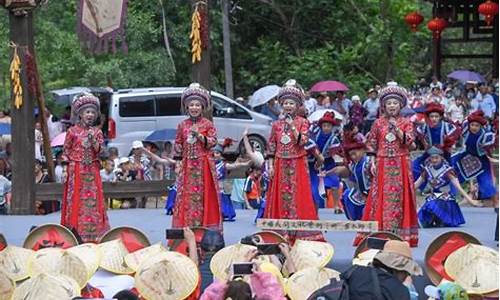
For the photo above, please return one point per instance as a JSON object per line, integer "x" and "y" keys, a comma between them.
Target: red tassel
{"x": 31, "y": 73}
{"x": 204, "y": 34}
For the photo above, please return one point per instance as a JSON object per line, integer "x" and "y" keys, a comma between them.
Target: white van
{"x": 136, "y": 113}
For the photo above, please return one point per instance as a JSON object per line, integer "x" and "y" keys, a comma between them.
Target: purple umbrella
{"x": 329, "y": 86}
{"x": 464, "y": 76}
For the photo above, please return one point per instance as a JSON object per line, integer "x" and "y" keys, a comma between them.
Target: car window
{"x": 225, "y": 109}
{"x": 168, "y": 105}
{"x": 137, "y": 106}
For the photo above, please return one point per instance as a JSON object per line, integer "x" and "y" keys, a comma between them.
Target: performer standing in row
{"x": 197, "y": 202}
{"x": 83, "y": 207}
{"x": 289, "y": 195}
{"x": 391, "y": 200}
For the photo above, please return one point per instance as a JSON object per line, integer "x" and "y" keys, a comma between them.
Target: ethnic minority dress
{"x": 228, "y": 212}
{"x": 353, "y": 198}
{"x": 289, "y": 195}
{"x": 197, "y": 201}
{"x": 444, "y": 135}
{"x": 326, "y": 144}
{"x": 473, "y": 161}
{"x": 440, "y": 208}
{"x": 391, "y": 200}
{"x": 83, "y": 208}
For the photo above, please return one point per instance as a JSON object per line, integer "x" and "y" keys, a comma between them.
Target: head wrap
{"x": 477, "y": 116}
{"x": 434, "y": 151}
{"x": 393, "y": 92}
{"x": 291, "y": 90}
{"x": 329, "y": 117}
{"x": 196, "y": 92}
{"x": 434, "y": 107}
{"x": 81, "y": 102}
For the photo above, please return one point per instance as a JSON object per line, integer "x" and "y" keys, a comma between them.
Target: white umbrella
{"x": 263, "y": 95}
{"x": 315, "y": 116}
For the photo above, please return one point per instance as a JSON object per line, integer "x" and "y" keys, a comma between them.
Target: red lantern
{"x": 437, "y": 25}
{"x": 414, "y": 19}
{"x": 489, "y": 9}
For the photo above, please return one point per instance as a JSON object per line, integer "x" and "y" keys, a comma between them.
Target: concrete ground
{"x": 480, "y": 222}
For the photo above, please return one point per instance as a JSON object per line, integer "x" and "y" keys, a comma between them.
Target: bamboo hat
{"x": 113, "y": 257}
{"x": 221, "y": 262}
{"x": 7, "y": 286}
{"x": 133, "y": 239}
{"x": 57, "y": 261}
{"x": 167, "y": 277}
{"x": 475, "y": 268}
{"x": 50, "y": 236}
{"x": 270, "y": 237}
{"x": 90, "y": 254}
{"x": 134, "y": 260}
{"x": 14, "y": 262}
{"x": 306, "y": 281}
{"x": 47, "y": 287}
{"x": 3, "y": 242}
{"x": 440, "y": 248}
{"x": 311, "y": 254}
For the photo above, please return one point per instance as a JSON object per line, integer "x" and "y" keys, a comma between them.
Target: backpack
{"x": 339, "y": 289}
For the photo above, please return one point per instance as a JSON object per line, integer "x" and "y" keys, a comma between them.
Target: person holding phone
{"x": 197, "y": 202}
{"x": 391, "y": 199}
{"x": 289, "y": 195}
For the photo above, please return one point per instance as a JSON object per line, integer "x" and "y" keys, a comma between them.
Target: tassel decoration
{"x": 15, "y": 77}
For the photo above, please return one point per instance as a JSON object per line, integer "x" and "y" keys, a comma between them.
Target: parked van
{"x": 136, "y": 113}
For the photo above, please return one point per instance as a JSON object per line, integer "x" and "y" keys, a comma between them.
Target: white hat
{"x": 137, "y": 145}
{"x": 355, "y": 98}
{"x": 123, "y": 160}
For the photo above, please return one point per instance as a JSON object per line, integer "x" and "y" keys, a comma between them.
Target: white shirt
{"x": 456, "y": 113}
{"x": 311, "y": 105}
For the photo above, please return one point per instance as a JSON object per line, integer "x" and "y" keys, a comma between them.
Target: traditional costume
{"x": 289, "y": 195}
{"x": 327, "y": 144}
{"x": 473, "y": 161}
{"x": 440, "y": 208}
{"x": 197, "y": 202}
{"x": 353, "y": 198}
{"x": 83, "y": 206}
{"x": 443, "y": 135}
{"x": 391, "y": 200}
{"x": 228, "y": 212}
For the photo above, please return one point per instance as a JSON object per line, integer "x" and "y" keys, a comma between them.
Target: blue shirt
{"x": 484, "y": 102}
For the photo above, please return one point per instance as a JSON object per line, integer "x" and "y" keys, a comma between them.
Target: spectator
{"x": 271, "y": 109}
{"x": 140, "y": 162}
{"x": 456, "y": 110}
{"x": 241, "y": 101}
{"x": 46, "y": 206}
{"x": 484, "y": 102}
{"x": 342, "y": 104}
{"x": 5, "y": 194}
{"x": 107, "y": 173}
{"x": 53, "y": 125}
{"x": 114, "y": 155}
{"x": 357, "y": 111}
{"x": 310, "y": 104}
{"x": 253, "y": 189}
{"x": 371, "y": 106}
{"x": 435, "y": 83}
{"x": 5, "y": 116}
{"x": 59, "y": 170}
{"x": 324, "y": 101}
{"x": 436, "y": 97}
{"x": 167, "y": 153}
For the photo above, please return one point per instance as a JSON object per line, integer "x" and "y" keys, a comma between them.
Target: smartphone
{"x": 174, "y": 234}
{"x": 268, "y": 249}
{"x": 242, "y": 269}
{"x": 376, "y": 243}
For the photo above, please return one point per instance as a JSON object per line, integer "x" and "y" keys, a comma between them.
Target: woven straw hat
{"x": 47, "y": 287}
{"x": 474, "y": 267}
{"x": 134, "y": 260}
{"x": 113, "y": 257}
{"x": 170, "y": 276}
{"x": 7, "y": 286}
{"x": 133, "y": 239}
{"x": 223, "y": 260}
{"x": 57, "y": 261}
{"x": 311, "y": 254}
{"x": 440, "y": 248}
{"x": 14, "y": 262}
{"x": 306, "y": 281}
{"x": 397, "y": 255}
{"x": 3, "y": 242}
{"x": 90, "y": 254}
{"x": 270, "y": 237}
{"x": 50, "y": 236}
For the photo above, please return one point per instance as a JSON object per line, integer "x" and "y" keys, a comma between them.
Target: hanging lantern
{"x": 437, "y": 25}
{"x": 489, "y": 9}
{"x": 414, "y": 19}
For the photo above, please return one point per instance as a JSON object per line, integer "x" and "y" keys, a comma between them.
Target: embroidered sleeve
{"x": 211, "y": 136}
{"x": 453, "y": 133}
{"x": 371, "y": 139}
{"x": 271, "y": 151}
{"x": 68, "y": 145}
{"x": 488, "y": 141}
{"x": 408, "y": 132}
{"x": 99, "y": 140}
{"x": 303, "y": 132}
{"x": 179, "y": 139}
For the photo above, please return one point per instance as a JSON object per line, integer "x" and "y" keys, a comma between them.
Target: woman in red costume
{"x": 391, "y": 200}
{"x": 83, "y": 207}
{"x": 197, "y": 202}
{"x": 289, "y": 195}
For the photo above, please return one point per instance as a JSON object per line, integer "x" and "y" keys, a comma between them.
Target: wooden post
{"x": 436, "y": 57}
{"x": 495, "y": 48}
{"x": 23, "y": 129}
{"x": 226, "y": 37}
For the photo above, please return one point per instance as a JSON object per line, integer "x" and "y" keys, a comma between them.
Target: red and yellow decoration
{"x": 195, "y": 36}
{"x": 489, "y": 10}
{"x": 414, "y": 19}
{"x": 437, "y": 25}
{"x": 15, "y": 77}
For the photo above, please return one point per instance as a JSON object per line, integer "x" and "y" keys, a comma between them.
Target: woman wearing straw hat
{"x": 289, "y": 195}
{"x": 83, "y": 208}
{"x": 197, "y": 202}
{"x": 391, "y": 200}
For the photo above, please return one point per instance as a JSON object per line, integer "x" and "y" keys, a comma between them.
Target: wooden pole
{"x": 495, "y": 48}
{"x": 226, "y": 37}
{"x": 23, "y": 129}
{"x": 436, "y": 57}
